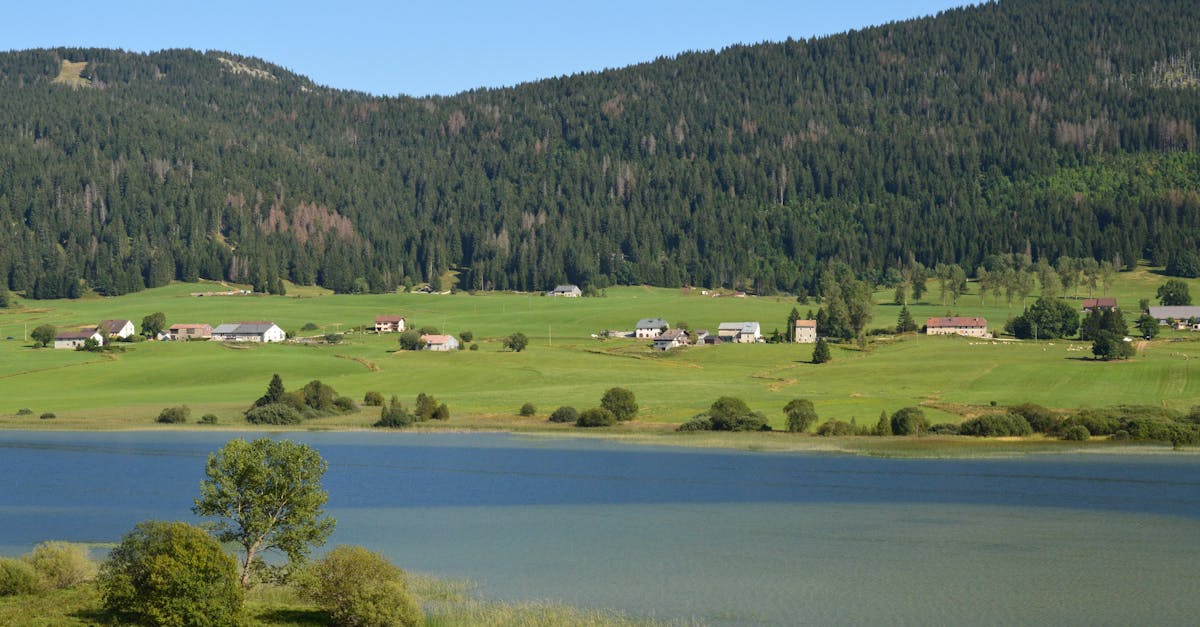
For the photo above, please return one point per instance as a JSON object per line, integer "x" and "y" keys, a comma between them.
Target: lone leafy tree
{"x": 1174, "y": 292}
{"x": 516, "y": 342}
{"x": 154, "y": 324}
{"x": 44, "y": 334}
{"x": 267, "y": 494}
{"x": 620, "y": 402}
{"x": 800, "y": 415}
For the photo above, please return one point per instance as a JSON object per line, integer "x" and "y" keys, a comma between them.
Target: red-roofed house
{"x": 805, "y": 332}
{"x": 389, "y": 324}
{"x": 957, "y": 325}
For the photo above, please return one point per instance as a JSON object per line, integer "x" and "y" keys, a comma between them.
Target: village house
{"x": 440, "y": 343}
{"x": 74, "y": 339}
{"x": 739, "y": 332}
{"x": 248, "y": 332}
{"x": 1178, "y": 316}
{"x": 569, "y": 291}
{"x": 189, "y": 332}
{"x": 805, "y": 332}
{"x": 650, "y": 328}
{"x": 389, "y": 324}
{"x": 116, "y": 329}
{"x": 671, "y": 339}
{"x": 958, "y": 325}
{"x": 1099, "y": 303}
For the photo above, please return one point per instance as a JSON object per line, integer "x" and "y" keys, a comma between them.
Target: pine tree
{"x": 821, "y": 352}
{"x": 274, "y": 393}
{"x": 884, "y": 426}
{"x": 905, "y": 322}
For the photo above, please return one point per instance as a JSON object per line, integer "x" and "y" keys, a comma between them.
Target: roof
{"x": 1178, "y": 312}
{"x": 566, "y": 288}
{"x": 437, "y": 339}
{"x": 1092, "y": 303}
{"x": 740, "y": 327}
{"x": 80, "y": 334}
{"x": 114, "y": 326}
{"x": 652, "y": 323}
{"x": 189, "y": 326}
{"x": 389, "y": 318}
{"x": 243, "y": 328}
{"x": 806, "y": 323}
{"x": 671, "y": 336}
{"x": 957, "y": 321}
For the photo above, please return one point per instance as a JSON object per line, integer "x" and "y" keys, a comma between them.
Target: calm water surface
{"x": 720, "y": 537}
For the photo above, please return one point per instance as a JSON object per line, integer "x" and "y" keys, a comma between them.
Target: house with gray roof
{"x": 1181, "y": 316}
{"x": 248, "y": 332}
{"x": 739, "y": 332}
{"x": 650, "y": 328}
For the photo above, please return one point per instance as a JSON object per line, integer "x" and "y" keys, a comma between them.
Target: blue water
{"x": 721, "y": 537}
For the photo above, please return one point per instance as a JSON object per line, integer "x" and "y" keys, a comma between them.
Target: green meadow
{"x": 950, "y": 377}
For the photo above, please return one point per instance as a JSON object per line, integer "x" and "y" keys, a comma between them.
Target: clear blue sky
{"x": 420, "y": 47}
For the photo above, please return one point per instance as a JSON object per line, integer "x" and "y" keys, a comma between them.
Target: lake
{"x": 715, "y": 536}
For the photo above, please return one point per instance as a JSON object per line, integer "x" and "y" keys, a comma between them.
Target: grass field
{"x": 71, "y": 74}
{"x": 951, "y": 377}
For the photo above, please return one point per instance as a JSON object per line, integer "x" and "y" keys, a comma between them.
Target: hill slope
{"x": 989, "y": 129}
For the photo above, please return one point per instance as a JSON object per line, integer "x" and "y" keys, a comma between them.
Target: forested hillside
{"x": 1055, "y": 127}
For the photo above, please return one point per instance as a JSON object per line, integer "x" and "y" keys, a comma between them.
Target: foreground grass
{"x": 448, "y": 603}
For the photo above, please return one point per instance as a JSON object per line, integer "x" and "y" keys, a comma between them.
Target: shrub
{"x": 373, "y": 399}
{"x": 17, "y": 578}
{"x": 61, "y": 564}
{"x": 528, "y": 409}
{"x": 1076, "y": 432}
{"x": 48, "y": 415}
{"x": 699, "y": 423}
{"x": 360, "y": 587}
{"x": 467, "y": 337}
{"x": 410, "y": 340}
{"x": 309, "y": 326}
{"x": 174, "y": 415}
{"x": 620, "y": 402}
{"x": 333, "y": 338}
{"x": 800, "y": 415}
{"x": 273, "y": 414}
{"x": 996, "y": 426}
{"x": 596, "y": 417}
{"x": 474, "y": 347}
{"x": 344, "y": 404}
{"x": 909, "y": 421}
{"x": 318, "y": 396}
{"x": 208, "y": 419}
{"x": 24, "y": 411}
{"x": 835, "y": 427}
{"x": 394, "y": 415}
{"x": 1096, "y": 421}
{"x": 171, "y": 573}
{"x": 728, "y": 413}
{"x": 944, "y": 428}
{"x": 1040, "y": 419}
{"x": 566, "y": 413}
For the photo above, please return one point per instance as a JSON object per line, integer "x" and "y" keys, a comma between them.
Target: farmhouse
{"x": 671, "y": 339}
{"x": 248, "y": 332}
{"x": 189, "y": 332}
{"x": 389, "y": 324}
{"x": 650, "y": 328}
{"x": 701, "y": 336}
{"x": 1180, "y": 316}
{"x": 75, "y": 339}
{"x": 117, "y": 329}
{"x": 957, "y": 325}
{"x": 1099, "y": 303}
{"x": 739, "y": 332}
{"x": 569, "y": 291}
{"x": 440, "y": 343}
{"x": 805, "y": 332}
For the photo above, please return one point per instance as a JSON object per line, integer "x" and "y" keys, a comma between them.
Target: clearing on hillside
{"x": 71, "y": 73}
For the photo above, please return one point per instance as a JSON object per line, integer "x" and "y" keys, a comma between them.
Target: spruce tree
{"x": 821, "y": 352}
{"x": 905, "y": 322}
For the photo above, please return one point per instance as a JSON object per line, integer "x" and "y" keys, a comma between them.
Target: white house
{"x": 74, "y": 339}
{"x": 1181, "y": 315}
{"x": 805, "y": 332}
{"x": 569, "y": 291}
{"x": 966, "y": 326}
{"x": 248, "y": 332}
{"x": 440, "y": 343}
{"x": 671, "y": 339}
{"x": 739, "y": 332}
{"x": 650, "y": 328}
{"x": 119, "y": 329}
{"x": 389, "y": 324}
